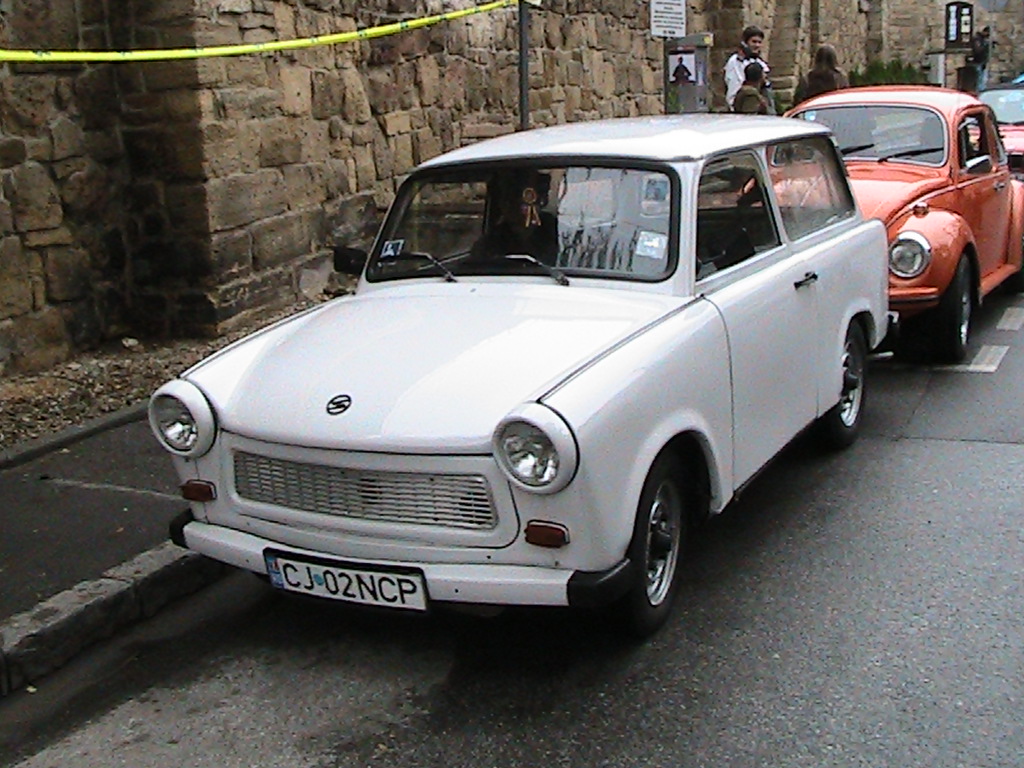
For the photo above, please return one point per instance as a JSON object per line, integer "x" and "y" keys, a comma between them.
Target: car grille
{"x": 450, "y": 501}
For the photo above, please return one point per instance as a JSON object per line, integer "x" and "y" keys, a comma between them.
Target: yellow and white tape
{"x": 170, "y": 54}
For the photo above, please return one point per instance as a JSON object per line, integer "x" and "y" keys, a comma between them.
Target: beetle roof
{"x": 663, "y": 138}
{"x": 945, "y": 100}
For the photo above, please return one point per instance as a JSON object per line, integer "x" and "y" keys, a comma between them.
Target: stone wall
{"x": 177, "y": 198}
{"x": 165, "y": 198}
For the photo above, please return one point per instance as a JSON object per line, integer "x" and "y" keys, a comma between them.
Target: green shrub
{"x": 892, "y": 72}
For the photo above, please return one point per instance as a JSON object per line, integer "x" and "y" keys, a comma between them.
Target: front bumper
{"x": 910, "y": 301}
{"x": 481, "y": 584}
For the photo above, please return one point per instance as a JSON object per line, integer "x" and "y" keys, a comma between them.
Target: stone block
{"x": 297, "y": 91}
{"x": 280, "y": 239}
{"x": 327, "y": 94}
{"x": 366, "y": 168}
{"x": 28, "y": 101}
{"x": 244, "y": 198}
{"x": 12, "y": 151}
{"x": 49, "y": 237}
{"x": 67, "y": 137}
{"x": 67, "y": 273}
{"x": 305, "y": 185}
{"x": 357, "y": 103}
{"x": 231, "y": 147}
{"x": 428, "y": 80}
{"x": 35, "y": 200}
{"x": 396, "y": 123}
{"x": 15, "y": 280}
{"x": 231, "y": 253}
{"x": 247, "y": 103}
{"x": 401, "y": 150}
{"x": 39, "y": 340}
{"x": 280, "y": 142}
{"x": 187, "y": 207}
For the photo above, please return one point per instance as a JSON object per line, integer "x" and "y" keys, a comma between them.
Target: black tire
{"x": 953, "y": 317}
{"x": 661, "y": 535}
{"x": 840, "y": 425}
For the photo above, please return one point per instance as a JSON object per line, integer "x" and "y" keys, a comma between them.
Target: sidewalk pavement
{"x": 84, "y": 548}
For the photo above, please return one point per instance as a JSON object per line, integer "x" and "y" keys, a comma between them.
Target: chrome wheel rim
{"x": 664, "y": 533}
{"x": 853, "y": 385}
{"x": 965, "y": 312}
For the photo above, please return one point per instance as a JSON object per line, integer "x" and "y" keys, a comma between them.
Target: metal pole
{"x": 524, "y": 65}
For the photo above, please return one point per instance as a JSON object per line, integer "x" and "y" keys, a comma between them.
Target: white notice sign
{"x": 668, "y": 18}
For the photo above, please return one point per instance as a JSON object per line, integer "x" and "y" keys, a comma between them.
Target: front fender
{"x": 950, "y": 236}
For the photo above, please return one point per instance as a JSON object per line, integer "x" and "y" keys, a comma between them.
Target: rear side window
{"x": 734, "y": 220}
{"x": 810, "y": 185}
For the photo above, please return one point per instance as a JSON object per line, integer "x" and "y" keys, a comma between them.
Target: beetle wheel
{"x": 954, "y": 316}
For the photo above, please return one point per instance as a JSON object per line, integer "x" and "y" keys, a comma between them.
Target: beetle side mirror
{"x": 349, "y": 261}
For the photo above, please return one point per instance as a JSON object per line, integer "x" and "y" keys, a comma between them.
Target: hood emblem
{"x": 338, "y": 404}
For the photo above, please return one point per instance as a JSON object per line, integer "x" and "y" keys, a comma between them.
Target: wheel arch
{"x": 694, "y": 452}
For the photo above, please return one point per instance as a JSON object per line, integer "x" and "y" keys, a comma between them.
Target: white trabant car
{"x": 566, "y": 348}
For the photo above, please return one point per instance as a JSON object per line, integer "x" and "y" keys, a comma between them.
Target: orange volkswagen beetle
{"x": 930, "y": 164}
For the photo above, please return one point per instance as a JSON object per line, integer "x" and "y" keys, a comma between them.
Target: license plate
{"x": 387, "y": 587}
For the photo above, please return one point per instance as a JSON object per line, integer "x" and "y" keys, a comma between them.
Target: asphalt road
{"x": 855, "y": 609}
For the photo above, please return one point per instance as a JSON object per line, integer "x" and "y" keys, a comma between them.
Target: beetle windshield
{"x": 555, "y": 221}
{"x": 889, "y": 132}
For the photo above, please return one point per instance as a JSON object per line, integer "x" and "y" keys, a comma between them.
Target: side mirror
{"x": 349, "y": 261}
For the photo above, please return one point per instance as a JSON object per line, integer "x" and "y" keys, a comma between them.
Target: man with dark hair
{"x": 748, "y": 51}
{"x": 749, "y": 98}
{"x": 981, "y": 51}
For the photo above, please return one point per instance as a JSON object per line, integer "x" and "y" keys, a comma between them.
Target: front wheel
{"x": 953, "y": 316}
{"x": 840, "y": 425}
{"x": 660, "y": 535}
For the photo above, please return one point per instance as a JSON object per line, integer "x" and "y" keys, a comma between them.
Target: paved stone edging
{"x": 33, "y": 449}
{"x": 44, "y": 638}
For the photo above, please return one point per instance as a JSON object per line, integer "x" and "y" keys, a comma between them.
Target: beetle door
{"x": 985, "y": 188}
{"x": 766, "y": 298}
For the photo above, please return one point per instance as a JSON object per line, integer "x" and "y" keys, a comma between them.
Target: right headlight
{"x": 909, "y": 254}
{"x": 181, "y": 419}
{"x": 536, "y": 449}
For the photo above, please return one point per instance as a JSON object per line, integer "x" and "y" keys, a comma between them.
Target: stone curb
{"x": 44, "y": 638}
{"x": 33, "y": 449}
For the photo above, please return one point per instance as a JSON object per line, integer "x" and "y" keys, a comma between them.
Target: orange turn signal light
{"x": 545, "y": 534}
{"x": 198, "y": 490}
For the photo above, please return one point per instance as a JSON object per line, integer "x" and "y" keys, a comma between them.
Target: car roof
{"x": 658, "y": 138}
{"x": 946, "y": 100}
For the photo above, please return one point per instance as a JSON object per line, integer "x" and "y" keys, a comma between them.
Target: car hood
{"x": 882, "y": 196}
{"x": 426, "y": 368}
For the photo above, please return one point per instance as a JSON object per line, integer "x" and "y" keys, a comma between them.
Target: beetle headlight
{"x": 536, "y": 449}
{"x": 909, "y": 254}
{"x": 182, "y": 419}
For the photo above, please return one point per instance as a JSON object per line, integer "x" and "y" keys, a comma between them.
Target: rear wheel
{"x": 953, "y": 316}
{"x": 840, "y": 425}
{"x": 660, "y": 535}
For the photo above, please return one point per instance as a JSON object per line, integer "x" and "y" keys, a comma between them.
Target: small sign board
{"x": 668, "y": 18}
{"x": 959, "y": 25}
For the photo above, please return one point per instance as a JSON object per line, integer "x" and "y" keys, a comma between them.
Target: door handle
{"x": 807, "y": 279}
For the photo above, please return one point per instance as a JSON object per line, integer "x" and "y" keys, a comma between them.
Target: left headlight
{"x": 181, "y": 419}
{"x": 536, "y": 449}
{"x": 909, "y": 254}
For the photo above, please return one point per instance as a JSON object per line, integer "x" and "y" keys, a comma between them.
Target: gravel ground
{"x": 103, "y": 381}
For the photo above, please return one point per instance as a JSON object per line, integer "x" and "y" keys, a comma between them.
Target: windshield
{"x": 558, "y": 221}
{"x": 1007, "y": 103}
{"x": 885, "y": 132}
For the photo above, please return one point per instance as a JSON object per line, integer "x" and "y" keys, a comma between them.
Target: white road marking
{"x": 1012, "y": 319}
{"x": 986, "y": 361}
{"x": 110, "y": 487}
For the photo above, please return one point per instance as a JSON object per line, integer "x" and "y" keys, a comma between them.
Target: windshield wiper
{"x": 554, "y": 272}
{"x": 421, "y": 256}
{"x": 910, "y": 153}
{"x": 844, "y": 151}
